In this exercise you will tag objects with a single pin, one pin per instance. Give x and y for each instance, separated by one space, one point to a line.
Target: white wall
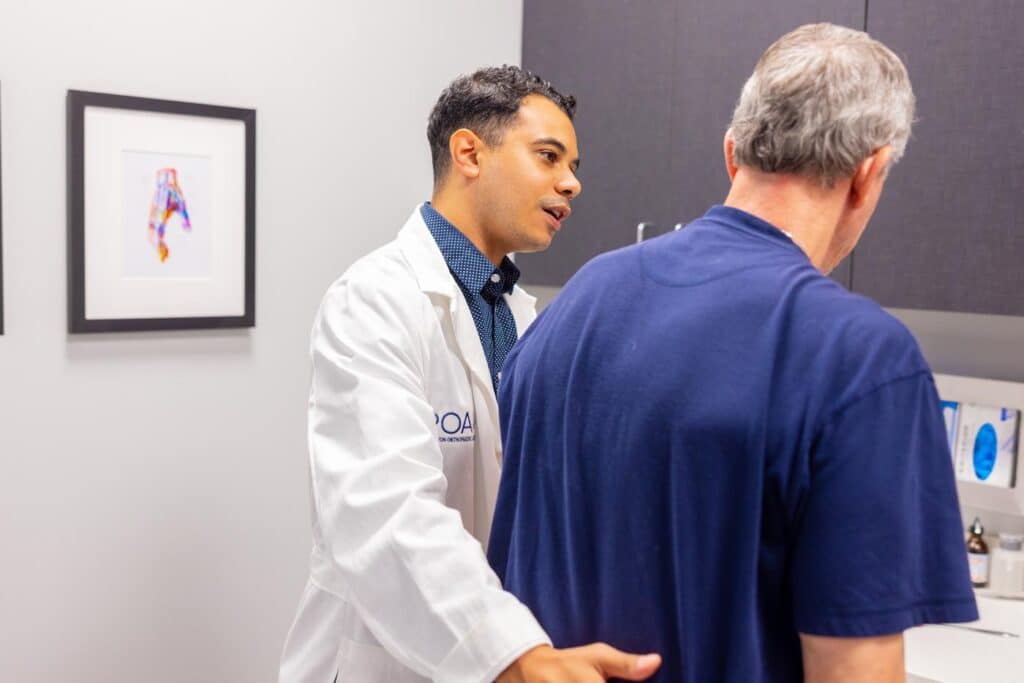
153 487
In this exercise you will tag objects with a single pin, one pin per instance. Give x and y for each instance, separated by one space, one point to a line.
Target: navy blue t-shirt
710 447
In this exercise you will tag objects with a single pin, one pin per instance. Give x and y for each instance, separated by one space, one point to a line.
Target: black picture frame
78 102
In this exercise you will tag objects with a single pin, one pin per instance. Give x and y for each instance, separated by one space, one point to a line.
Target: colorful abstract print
167 200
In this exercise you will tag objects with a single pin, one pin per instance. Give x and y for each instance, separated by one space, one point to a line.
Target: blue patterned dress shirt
482 284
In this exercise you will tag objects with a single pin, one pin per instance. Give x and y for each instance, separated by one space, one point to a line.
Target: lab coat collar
433 274
424 257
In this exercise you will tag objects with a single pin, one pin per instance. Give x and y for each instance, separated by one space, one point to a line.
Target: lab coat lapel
468 339
433 275
523 307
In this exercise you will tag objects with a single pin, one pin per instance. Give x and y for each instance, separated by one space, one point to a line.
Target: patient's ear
869 177
728 147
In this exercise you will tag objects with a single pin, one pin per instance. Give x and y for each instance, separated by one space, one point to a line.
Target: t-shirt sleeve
878 545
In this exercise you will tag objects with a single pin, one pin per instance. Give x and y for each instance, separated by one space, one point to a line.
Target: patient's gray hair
822 99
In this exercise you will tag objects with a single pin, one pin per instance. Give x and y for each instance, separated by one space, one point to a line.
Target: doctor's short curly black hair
485 102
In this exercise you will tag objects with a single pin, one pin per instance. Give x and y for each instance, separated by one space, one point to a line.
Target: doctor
404 442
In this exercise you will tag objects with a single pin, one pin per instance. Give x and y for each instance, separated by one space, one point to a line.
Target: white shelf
956 655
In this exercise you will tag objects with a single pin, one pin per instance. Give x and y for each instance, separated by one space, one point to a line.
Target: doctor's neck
463 213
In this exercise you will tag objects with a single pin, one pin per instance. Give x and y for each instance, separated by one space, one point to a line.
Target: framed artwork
161 214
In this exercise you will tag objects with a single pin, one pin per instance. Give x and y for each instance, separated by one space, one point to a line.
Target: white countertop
954 655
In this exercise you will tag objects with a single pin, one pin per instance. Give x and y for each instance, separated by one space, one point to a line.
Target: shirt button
495 278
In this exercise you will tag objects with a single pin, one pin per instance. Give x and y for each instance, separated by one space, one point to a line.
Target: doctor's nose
569 186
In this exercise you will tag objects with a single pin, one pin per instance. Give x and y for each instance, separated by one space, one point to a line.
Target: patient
715 452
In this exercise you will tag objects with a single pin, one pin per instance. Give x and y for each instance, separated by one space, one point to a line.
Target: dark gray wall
616 57
657 82
949 231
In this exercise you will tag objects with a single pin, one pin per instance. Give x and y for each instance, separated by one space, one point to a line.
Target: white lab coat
404 452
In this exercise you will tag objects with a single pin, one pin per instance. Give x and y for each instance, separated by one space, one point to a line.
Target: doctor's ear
465 146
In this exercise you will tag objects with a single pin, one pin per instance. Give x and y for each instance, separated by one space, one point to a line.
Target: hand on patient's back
588 664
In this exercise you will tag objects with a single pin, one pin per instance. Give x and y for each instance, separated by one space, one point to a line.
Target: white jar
1007 570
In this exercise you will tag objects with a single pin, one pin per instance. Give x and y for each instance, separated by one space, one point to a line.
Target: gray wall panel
616 57
948 232
657 82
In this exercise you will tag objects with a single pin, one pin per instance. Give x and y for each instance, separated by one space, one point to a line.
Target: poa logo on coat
454 426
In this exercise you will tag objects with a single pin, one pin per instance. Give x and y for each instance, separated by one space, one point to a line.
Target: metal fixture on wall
641 228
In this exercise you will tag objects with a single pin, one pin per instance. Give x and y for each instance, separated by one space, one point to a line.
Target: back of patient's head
822 99
485 102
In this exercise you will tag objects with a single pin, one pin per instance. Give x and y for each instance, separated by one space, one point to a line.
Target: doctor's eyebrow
555 142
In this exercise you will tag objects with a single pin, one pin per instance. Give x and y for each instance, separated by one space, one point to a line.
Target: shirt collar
470 267
733 217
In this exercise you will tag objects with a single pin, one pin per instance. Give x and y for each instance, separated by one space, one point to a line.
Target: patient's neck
802 208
